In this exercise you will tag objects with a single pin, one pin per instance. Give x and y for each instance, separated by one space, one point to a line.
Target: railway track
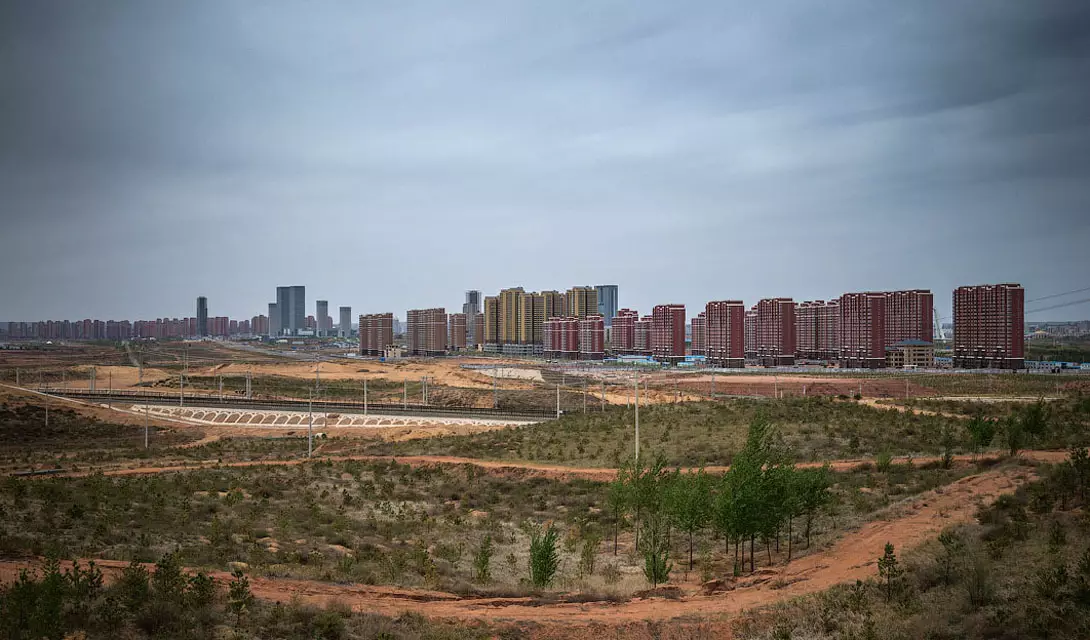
339 406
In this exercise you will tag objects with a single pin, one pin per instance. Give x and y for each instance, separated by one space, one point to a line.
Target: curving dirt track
850 558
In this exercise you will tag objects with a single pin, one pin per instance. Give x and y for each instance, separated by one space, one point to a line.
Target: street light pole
310 426
637 418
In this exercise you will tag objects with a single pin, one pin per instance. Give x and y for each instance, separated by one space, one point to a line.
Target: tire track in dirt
849 558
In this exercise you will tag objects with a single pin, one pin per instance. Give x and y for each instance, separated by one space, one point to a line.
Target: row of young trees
762 497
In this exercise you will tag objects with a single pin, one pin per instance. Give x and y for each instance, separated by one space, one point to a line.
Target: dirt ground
851 557
766 385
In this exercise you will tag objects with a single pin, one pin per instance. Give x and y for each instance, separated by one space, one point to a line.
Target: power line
1059 306
1058 295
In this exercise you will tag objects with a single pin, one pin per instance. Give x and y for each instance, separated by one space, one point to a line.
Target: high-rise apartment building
909 316
561 338
776 332
274 320
643 336
457 331
556 304
623 333
862 330
697 334
491 324
259 325
321 314
607 301
725 333
989 326
582 302
509 300
816 323
202 316
668 333
592 338
471 308
531 315
751 333
376 333
426 331
291 303
345 325
478 332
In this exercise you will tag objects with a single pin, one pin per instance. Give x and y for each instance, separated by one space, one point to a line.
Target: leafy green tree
544 557
813 494
981 432
690 505
618 499
948 441
239 597
1080 464
483 559
889 569
133 586
168 583
201 591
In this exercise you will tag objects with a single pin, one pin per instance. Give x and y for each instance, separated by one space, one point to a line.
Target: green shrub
544 557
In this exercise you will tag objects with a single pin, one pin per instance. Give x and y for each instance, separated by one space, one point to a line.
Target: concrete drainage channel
294 419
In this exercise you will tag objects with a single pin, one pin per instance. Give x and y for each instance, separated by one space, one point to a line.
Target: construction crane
938 324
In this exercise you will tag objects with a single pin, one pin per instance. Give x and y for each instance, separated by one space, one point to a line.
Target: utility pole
906 388
317 377
249 388
221 387
558 401
181 390
405 393
92 379
713 385
423 389
17 376
310 427
495 393
47 415
145 424
584 395
637 385
365 396
603 402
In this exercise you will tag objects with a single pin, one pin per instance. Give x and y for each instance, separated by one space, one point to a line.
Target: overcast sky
391 155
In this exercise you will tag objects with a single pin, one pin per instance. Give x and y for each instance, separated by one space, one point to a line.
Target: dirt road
519 468
850 558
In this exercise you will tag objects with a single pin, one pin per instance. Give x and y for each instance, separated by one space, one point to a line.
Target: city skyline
876 147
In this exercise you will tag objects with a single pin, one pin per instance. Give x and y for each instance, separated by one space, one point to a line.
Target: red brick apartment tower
776 332
376 333
862 330
643 337
725 328
989 326
698 334
909 316
550 338
668 333
457 334
623 336
592 338
478 331
751 333
569 338
816 327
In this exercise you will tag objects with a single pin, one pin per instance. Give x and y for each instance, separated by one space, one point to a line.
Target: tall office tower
376 333
426 331
698 334
470 308
989 326
623 333
491 323
531 314
457 334
909 316
345 327
291 302
556 305
862 330
643 336
725 333
274 320
582 302
202 316
776 332
509 315
607 301
751 333
321 314
592 338
668 333
816 324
